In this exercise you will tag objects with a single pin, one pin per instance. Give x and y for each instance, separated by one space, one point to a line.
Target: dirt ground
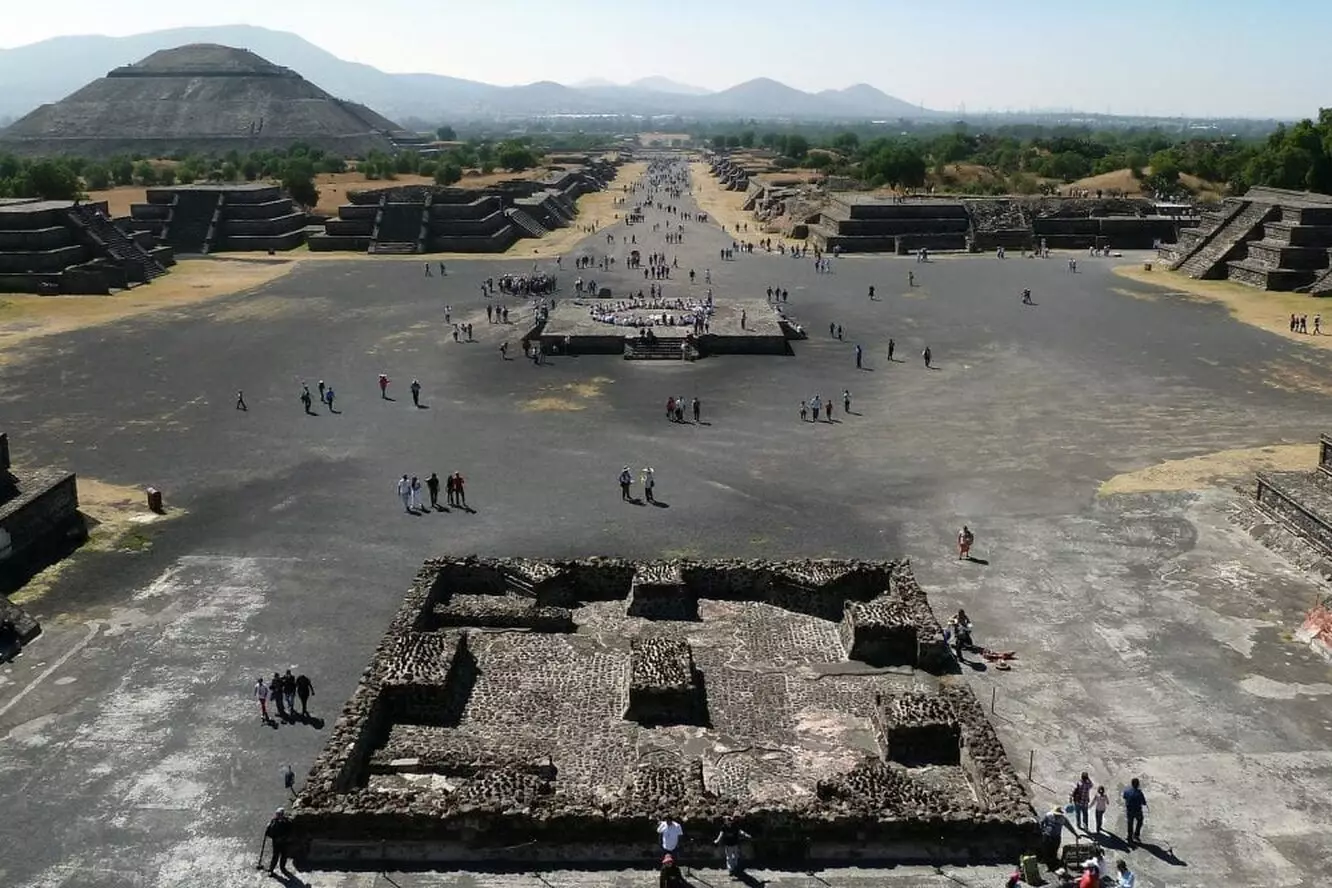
725 206
1268 311
1124 181
1214 469
24 318
595 208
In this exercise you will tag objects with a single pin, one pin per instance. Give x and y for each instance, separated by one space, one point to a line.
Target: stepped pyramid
200 98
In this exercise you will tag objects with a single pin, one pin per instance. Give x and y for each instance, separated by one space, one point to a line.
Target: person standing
964 540
698 410
427 270
816 407
804 411
459 496
1135 806
240 400
304 690
1100 802
927 355
306 400
670 409
1052 834
670 833
729 838
649 482
321 392
846 399
384 383
892 347
416 494
261 694
1080 798
329 399
626 481
278 830
1126 877
452 496
828 409
416 392
432 485
405 493
859 356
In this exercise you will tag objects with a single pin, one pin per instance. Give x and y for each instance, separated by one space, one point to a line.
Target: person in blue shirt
1135 804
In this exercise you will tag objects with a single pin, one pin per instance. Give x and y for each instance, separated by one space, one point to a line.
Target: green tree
797 146
146 173
747 139
122 170
166 176
50 180
447 174
846 143
298 181
446 134
515 157
96 176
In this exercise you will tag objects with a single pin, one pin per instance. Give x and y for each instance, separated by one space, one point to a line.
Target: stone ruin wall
499 794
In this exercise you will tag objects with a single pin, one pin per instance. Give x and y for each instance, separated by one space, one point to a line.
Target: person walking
416 494
261 694
1135 806
729 838
927 355
304 690
649 482
1052 835
384 384
416 392
328 399
459 496
321 391
846 400
405 493
816 407
1100 802
289 781
892 347
289 692
670 409
859 356
1080 798
306 400
240 400
432 485
804 411
698 410
275 694
828 409
278 831
626 481
451 494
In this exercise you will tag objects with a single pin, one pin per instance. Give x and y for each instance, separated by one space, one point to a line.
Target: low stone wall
664 686
1283 500
40 522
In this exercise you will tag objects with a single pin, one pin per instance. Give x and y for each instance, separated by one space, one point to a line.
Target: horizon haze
1144 59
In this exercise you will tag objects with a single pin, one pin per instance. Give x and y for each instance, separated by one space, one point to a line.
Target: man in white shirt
670 831
405 493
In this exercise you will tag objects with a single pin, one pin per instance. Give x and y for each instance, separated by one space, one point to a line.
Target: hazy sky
1168 57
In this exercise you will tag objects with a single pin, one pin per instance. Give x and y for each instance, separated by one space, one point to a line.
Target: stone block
664 686
880 633
917 729
659 593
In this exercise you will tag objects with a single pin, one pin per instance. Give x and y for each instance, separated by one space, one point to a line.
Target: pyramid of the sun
199 98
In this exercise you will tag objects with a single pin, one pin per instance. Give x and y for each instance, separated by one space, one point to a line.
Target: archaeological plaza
655 511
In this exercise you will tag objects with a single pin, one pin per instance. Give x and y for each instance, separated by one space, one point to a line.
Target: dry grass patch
1213 469
570 397
597 207
1259 308
118 521
24 318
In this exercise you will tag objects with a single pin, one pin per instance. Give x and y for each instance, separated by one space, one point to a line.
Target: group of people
283 691
409 492
1087 800
1300 324
671 835
816 408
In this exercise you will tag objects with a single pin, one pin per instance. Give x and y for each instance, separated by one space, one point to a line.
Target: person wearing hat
279 833
1052 835
649 482
1091 876
671 877
626 481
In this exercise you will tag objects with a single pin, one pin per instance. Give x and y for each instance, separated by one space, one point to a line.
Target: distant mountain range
45 72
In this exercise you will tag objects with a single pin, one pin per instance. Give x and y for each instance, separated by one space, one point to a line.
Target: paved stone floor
1153 636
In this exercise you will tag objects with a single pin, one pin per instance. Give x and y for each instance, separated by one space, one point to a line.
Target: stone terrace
581 703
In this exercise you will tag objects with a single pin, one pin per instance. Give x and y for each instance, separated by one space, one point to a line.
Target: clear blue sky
1168 57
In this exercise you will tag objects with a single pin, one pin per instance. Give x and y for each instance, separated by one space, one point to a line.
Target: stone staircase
1322 284
391 248
118 245
190 220
1209 258
660 349
423 238
215 224
531 227
397 229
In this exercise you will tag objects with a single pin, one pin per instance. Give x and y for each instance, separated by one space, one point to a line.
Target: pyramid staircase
526 224
117 244
660 349
1208 256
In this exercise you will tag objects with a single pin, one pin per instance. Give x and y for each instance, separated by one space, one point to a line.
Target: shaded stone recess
39 524
1302 501
510 739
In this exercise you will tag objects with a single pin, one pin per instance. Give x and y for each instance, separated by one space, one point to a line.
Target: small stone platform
571 329
562 735
1302 501
39 519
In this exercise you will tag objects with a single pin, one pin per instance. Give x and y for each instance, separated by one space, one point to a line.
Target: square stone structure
520 710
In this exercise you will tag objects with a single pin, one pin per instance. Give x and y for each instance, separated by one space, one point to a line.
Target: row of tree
1018 158
296 168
